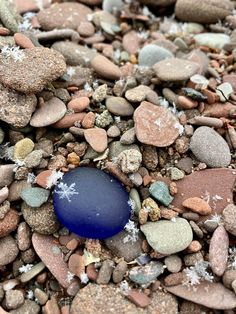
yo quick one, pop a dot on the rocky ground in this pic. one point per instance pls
(144, 90)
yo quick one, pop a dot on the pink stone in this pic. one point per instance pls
(68, 120)
(78, 104)
(4, 192)
(131, 42)
(97, 139)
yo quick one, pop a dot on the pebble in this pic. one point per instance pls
(134, 196)
(105, 272)
(155, 125)
(8, 250)
(174, 279)
(225, 88)
(41, 219)
(40, 66)
(175, 70)
(104, 119)
(97, 139)
(228, 277)
(119, 272)
(105, 68)
(34, 196)
(89, 120)
(229, 218)
(48, 113)
(131, 42)
(68, 120)
(86, 29)
(145, 275)
(23, 236)
(41, 296)
(23, 41)
(138, 298)
(138, 94)
(218, 251)
(119, 106)
(212, 40)
(15, 190)
(76, 264)
(176, 174)
(128, 137)
(63, 15)
(197, 205)
(23, 148)
(51, 306)
(173, 263)
(78, 104)
(201, 11)
(4, 209)
(6, 175)
(34, 159)
(14, 299)
(129, 160)
(113, 131)
(16, 108)
(217, 296)
(129, 251)
(29, 307)
(167, 237)
(159, 190)
(52, 256)
(23, 6)
(209, 147)
(9, 223)
(115, 148)
(100, 93)
(151, 54)
(112, 5)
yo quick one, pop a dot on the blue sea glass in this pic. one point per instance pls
(91, 203)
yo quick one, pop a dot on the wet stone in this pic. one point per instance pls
(143, 275)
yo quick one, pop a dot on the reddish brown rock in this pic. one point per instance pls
(51, 307)
(218, 251)
(23, 6)
(97, 139)
(88, 120)
(23, 41)
(138, 298)
(106, 68)
(78, 104)
(9, 223)
(68, 120)
(197, 205)
(219, 110)
(42, 178)
(76, 264)
(131, 42)
(156, 125)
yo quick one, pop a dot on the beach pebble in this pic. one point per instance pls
(9, 223)
(78, 104)
(105, 272)
(41, 296)
(4, 192)
(129, 160)
(34, 159)
(159, 190)
(68, 120)
(229, 218)
(23, 236)
(97, 139)
(128, 137)
(34, 196)
(119, 106)
(40, 66)
(167, 237)
(212, 40)
(23, 148)
(137, 94)
(174, 69)
(29, 307)
(112, 5)
(131, 42)
(15, 190)
(23, 6)
(156, 125)
(225, 88)
(6, 175)
(14, 299)
(197, 205)
(86, 29)
(138, 298)
(151, 54)
(76, 264)
(23, 41)
(119, 272)
(105, 68)
(209, 147)
(143, 275)
(173, 263)
(8, 250)
(176, 174)
(113, 131)
(228, 277)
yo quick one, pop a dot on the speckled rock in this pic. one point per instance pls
(229, 218)
(14, 299)
(8, 250)
(115, 148)
(119, 106)
(23, 148)
(209, 147)
(34, 196)
(129, 160)
(9, 223)
(138, 94)
(197, 205)
(15, 108)
(151, 54)
(6, 175)
(167, 237)
(40, 66)
(143, 275)
(63, 15)
(41, 219)
(29, 307)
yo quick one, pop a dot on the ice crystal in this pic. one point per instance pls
(70, 71)
(69, 276)
(31, 178)
(54, 178)
(198, 272)
(124, 287)
(133, 231)
(66, 191)
(30, 294)
(84, 278)
(25, 268)
(215, 218)
(13, 52)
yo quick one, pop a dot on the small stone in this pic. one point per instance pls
(174, 69)
(228, 277)
(151, 54)
(76, 264)
(197, 205)
(159, 190)
(144, 275)
(229, 218)
(86, 29)
(34, 159)
(51, 306)
(29, 307)
(23, 236)
(225, 88)
(6, 175)
(4, 209)
(78, 104)
(9, 223)
(89, 120)
(167, 237)
(15, 190)
(137, 94)
(119, 106)
(128, 137)
(174, 279)
(73, 159)
(173, 263)
(68, 120)
(212, 40)
(135, 198)
(192, 259)
(23, 148)
(23, 41)
(14, 299)
(138, 298)
(104, 119)
(105, 272)
(176, 174)
(46, 146)
(100, 93)
(119, 272)
(150, 157)
(113, 131)
(97, 139)
(129, 160)
(151, 207)
(209, 147)
(130, 42)
(185, 164)
(34, 196)
(8, 250)
(105, 68)
(41, 296)
(115, 148)
(111, 5)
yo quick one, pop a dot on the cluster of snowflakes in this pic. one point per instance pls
(197, 273)
(13, 52)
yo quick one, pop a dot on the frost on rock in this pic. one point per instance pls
(54, 178)
(13, 52)
(25, 268)
(70, 276)
(30, 294)
(232, 258)
(66, 191)
(215, 218)
(31, 178)
(124, 287)
(84, 278)
(133, 231)
(197, 273)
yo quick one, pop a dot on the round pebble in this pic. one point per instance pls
(105, 68)
(151, 54)
(212, 40)
(97, 139)
(9, 223)
(23, 148)
(78, 104)
(197, 205)
(34, 196)
(119, 106)
(8, 250)
(229, 218)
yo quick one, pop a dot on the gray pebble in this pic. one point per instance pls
(128, 137)
(144, 275)
(14, 299)
(34, 196)
(119, 272)
(151, 54)
(105, 272)
(173, 263)
(33, 159)
(8, 250)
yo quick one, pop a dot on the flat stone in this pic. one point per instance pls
(68, 120)
(131, 42)
(34, 196)
(155, 125)
(138, 94)
(151, 54)
(138, 298)
(50, 112)
(119, 106)
(8, 250)
(97, 139)
(15, 108)
(52, 256)
(39, 66)
(159, 190)
(144, 275)
(174, 69)
(6, 175)
(212, 40)
(106, 68)
(229, 218)
(167, 237)
(63, 15)
(9, 223)
(197, 205)
(209, 147)
(209, 294)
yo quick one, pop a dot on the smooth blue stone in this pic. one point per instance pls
(95, 206)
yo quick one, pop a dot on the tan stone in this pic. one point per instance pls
(97, 139)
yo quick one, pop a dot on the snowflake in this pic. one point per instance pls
(117, 119)
(25, 268)
(31, 178)
(197, 273)
(133, 232)
(13, 52)
(87, 87)
(124, 287)
(70, 276)
(70, 71)
(215, 218)
(232, 258)
(30, 294)
(84, 278)
(53, 179)
(66, 191)
(158, 123)
(179, 127)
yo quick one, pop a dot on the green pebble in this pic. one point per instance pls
(176, 174)
(134, 196)
(159, 190)
(35, 197)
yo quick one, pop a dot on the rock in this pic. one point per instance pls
(34, 196)
(115, 148)
(52, 256)
(41, 219)
(128, 137)
(40, 66)
(228, 277)
(14, 299)
(78, 104)
(129, 160)
(105, 272)
(33, 272)
(212, 40)
(104, 119)
(86, 29)
(145, 275)
(119, 106)
(173, 263)
(218, 251)
(161, 3)
(34, 159)
(201, 11)
(6, 175)
(229, 218)
(155, 125)
(217, 296)
(138, 94)
(29, 307)
(9, 223)
(15, 190)
(8, 250)
(167, 237)
(138, 298)
(23, 148)
(68, 120)
(197, 205)
(113, 131)
(41, 296)
(112, 5)
(4, 192)
(128, 250)
(151, 54)
(63, 15)
(76, 264)
(106, 68)
(209, 147)
(23, 6)
(176, 174)
(225, 88)
(119, 272)
(159, 190)
(50, 112)
(23, 236)
(174, 69)
(131, 42)
(185, 164)
(97, 139)
(23, 41)
(44, 145)
(16, 109)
